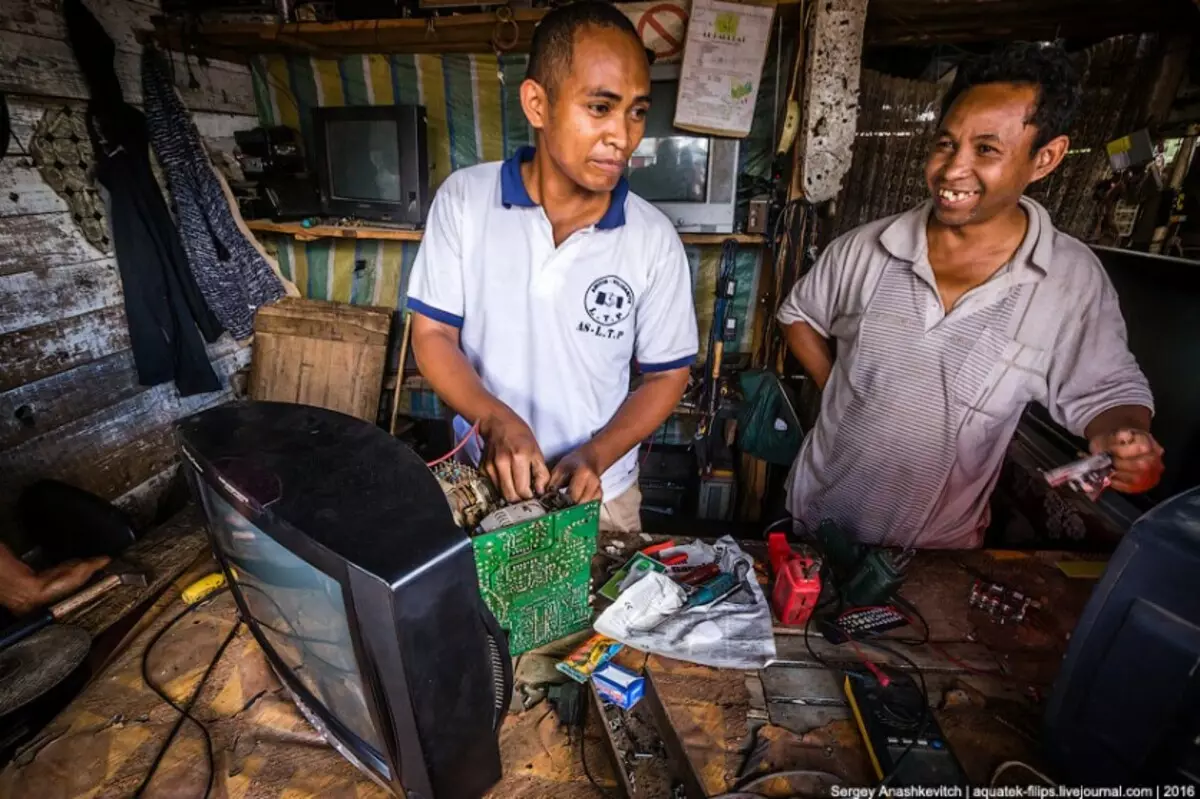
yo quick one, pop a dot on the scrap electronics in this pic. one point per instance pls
(1125, 709)
(533, 558)
(849, 593)
(362, 572)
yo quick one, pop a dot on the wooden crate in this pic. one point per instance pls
(326, 354)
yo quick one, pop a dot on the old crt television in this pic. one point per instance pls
(690, 177)
(372, 162)
(347, 567)
(1126, 706)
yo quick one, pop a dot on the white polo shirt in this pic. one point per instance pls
(552, 330)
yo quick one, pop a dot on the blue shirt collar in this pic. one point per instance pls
(513, 192)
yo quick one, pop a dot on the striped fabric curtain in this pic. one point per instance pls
(473, 115)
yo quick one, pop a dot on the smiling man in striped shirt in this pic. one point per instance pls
(950, 318)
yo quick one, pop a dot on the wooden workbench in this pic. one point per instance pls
(716, 724)
(987, 682)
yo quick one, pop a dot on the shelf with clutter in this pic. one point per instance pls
(306, 231)
(440, 29)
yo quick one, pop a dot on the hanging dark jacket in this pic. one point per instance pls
(167, 316)
(233, 275)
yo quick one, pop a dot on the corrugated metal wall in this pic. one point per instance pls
(896, 122)
(898, 117)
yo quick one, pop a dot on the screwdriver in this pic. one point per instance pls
(720, 587)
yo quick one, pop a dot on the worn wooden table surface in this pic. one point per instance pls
(985, 681)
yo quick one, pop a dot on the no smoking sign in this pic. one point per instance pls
(662, 26)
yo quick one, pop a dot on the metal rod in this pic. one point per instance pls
(400, 373)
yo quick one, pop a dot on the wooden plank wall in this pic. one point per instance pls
(70, 403)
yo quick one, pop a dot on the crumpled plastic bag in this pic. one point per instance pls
(734, 633)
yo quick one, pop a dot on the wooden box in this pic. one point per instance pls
(326, 354)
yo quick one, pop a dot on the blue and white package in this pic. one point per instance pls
(619, 685)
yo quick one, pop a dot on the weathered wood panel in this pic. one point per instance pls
(119, 446)
(44, 18)
(218, 129)
(33, 410)
(326, 354)
(39, 241)
(34, 65)
(70, 402)
(29, 298)
(22, 190)
(53, 347)
(144, 501)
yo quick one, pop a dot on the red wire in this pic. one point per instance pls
(474, 431)
(882, 678)
(964, 666)
(649, 446)
(935, 647)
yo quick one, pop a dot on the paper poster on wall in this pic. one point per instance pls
(722, 66)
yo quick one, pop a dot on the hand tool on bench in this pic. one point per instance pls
(29, 625)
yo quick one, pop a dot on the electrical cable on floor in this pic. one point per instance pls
(909, 610)
(185, 711)
(825, 573)
(1008, 764)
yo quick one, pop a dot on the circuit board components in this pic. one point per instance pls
(534, 574)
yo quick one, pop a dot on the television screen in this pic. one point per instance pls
(343, 556)
(300, 611)
(364, 160)
(670, 169)
(669, 165)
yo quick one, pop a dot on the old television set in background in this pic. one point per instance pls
(345, 563)
(372, 162)
(690, 177)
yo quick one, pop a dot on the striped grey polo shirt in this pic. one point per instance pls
(921, 404)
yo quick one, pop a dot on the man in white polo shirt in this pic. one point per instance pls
(540, 278)
(950, 318)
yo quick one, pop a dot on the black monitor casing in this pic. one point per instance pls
(1126, 705)
(413, 159)
(356, 504)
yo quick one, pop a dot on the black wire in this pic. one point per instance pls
(583, 748)
(824, 571)
(926, 711)
(910, 610)
(185, 712)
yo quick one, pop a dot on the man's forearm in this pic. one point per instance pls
(811, 350)
(639, 416)
(1122, 417)
(451, 375)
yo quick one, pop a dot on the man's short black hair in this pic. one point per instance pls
(1047, 68)
(554, 37)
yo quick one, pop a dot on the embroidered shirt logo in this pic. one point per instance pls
(608, 301)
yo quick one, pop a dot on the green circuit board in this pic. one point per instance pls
(535, 576)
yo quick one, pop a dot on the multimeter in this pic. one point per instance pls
(903, 739)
